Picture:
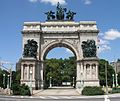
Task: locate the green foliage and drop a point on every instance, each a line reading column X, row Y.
column 110, row 71
column 119, row 78
column 2, row 78
column 60, row 70
column 92, row 91
column 16, row 89
column 20, row 89
column 115, row 90
column 16, row 77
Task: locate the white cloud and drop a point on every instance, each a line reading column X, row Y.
column 103, row 42
column 103, row 45
column 103, row 48
column 33, row 0
column 112, row 34
column 68, row 51
column 87, row 2
column 101, row 34
column 52, row 2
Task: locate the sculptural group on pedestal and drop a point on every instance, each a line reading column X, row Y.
column 30, row 49
column 60, row 14
column 89, row 48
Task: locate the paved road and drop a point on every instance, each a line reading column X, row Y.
column 60, row 98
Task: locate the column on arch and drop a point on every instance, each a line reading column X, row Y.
column 78, row 71
column 90, row 71
column 85, row 72
column 96, row 71
column 22, row 72
column 81, row 71
column 78, row 75
column 28, row 74
column 31, row 70
column 42, row 74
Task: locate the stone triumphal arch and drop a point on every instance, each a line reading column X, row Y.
column 40, row 37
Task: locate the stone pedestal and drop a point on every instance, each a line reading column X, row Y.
column 30, row 72
column 88, row 73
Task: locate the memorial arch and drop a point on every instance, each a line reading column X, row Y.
column 40, row 37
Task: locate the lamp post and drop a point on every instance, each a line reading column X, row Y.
column 4, row 80
column 81, row 80
column 8, row 82
column 73, row 82
column 31, row 82
column 106, row 78
column 113, row 80
column 50, row 82
column 116, row 80
column 10, row 76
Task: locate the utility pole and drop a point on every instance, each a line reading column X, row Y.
column 106, row 78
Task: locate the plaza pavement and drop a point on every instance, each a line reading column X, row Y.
column 56, row 91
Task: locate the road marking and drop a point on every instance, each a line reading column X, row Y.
column 53, row 97
column 42, row 97
column 106, row 98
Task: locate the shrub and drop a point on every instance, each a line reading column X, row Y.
column 20, row 89
column 16, row 89
column 92, row 90
column 115, row 90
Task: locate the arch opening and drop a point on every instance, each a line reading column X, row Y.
column 60, row 71
column 63, row 45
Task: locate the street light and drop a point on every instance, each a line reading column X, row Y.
column 4, row 80
column 73, row 82
column 81, row 80
column 50, row 82
column 113, row 80
column 8, row 82
column 116, row 80
column 106, row 78
column 31, row 82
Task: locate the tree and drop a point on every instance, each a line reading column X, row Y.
column 60, row 70
column 110, row 71
column 16, row 77
column 119, row 78
column 1, row 78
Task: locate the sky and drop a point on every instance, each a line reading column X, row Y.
column 13, row 13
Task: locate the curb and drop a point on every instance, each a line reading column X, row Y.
column 61, row 97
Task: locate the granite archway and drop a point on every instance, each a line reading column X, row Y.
column 51, row 34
